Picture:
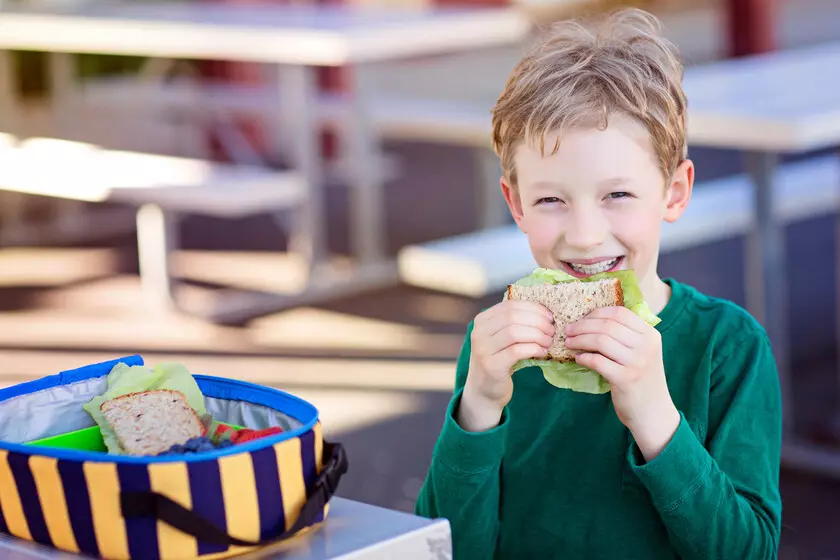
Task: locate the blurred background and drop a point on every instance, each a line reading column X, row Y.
column 301, row 194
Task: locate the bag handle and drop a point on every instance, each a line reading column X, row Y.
column 158, row 506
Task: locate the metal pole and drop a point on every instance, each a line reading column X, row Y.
column 156, row 239
column 308, row 235
column 766, row 273
column 367, row 205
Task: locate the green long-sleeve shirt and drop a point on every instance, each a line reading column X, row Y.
column 561, row 477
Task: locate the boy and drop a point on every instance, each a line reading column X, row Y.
column 681, row 458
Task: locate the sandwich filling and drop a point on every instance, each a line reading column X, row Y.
column 570, row 296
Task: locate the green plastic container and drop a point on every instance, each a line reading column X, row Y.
column 88, row 439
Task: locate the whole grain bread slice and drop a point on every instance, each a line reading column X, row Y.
column 150, row 422
column 569, row 302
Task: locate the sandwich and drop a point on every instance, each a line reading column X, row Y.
column 569, row 302
column 570, row 299
column 151, row 422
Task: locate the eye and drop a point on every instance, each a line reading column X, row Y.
column 620, row 194
column 547, row 200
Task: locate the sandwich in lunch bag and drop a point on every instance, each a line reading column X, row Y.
column 119, row 460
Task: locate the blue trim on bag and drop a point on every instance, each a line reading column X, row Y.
column 66, row 377
column 214, row 387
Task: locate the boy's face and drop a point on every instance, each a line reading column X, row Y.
column 598, row 203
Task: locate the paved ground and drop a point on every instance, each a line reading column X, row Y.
column 379, row 366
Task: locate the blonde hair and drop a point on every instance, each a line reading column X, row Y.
column 578, row 76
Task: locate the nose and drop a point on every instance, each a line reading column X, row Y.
column 587, row 228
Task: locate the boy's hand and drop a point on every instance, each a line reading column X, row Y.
column 510, row 331
column 627, row 352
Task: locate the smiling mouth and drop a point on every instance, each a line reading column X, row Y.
column 584, row 270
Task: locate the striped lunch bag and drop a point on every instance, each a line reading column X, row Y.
column 78, row 498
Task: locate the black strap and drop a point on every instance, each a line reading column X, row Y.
column 158, row 506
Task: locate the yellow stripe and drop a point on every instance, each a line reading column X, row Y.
column 173, row 481
column 10, row 501
column 242, row 510
column 291, row 479
column 104, row 491
column 319, row 447
column 53, row 502
column 319, row 457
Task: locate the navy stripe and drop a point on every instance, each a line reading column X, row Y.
column 207, row 499
column 3, row 527
column 307, row 459
column 141, row 531
column 269, row 493
column 78, row 505
column 29, row 498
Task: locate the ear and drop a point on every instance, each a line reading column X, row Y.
column 514, row 201
column 679, row 191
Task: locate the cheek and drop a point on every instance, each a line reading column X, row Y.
column 543, row 230
column 637, row 230
column 541, row 224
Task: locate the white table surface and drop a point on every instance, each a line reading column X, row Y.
column 353, row 530
column 310, row 35
column 785, row 101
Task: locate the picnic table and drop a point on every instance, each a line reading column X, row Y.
column 352, row 530
column 296, row 40
column 765, row 106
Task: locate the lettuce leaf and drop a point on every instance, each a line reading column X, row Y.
column 571, row 375
column 124, row 379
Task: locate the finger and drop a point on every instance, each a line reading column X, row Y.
column 518, row 334
column 622, row 315
column 601, row 344
column 517, row 304
column 512, row 354
column 609, row 327
column 609, row 370
column 533, row 315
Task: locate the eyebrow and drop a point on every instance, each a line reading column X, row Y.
column 613, row 182
column 609, row 182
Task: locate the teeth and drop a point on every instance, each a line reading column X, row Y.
column 596, row 268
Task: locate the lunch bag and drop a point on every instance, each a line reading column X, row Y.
column 56, row 489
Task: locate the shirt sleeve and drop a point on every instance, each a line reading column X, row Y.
column 722, row 500
column 463, row 483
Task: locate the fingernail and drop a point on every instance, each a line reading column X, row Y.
column 568, row 329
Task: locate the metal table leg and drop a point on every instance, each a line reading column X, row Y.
column 62, row 71
column 156, row 239
column 367, row 205
column 768, row 301
column 309, row 224
column 12, row 204
column 766, row 272
column 491, row 206
column 8, row 113
column 308, row 230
